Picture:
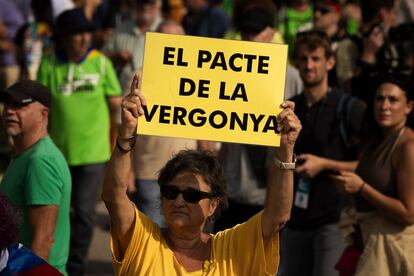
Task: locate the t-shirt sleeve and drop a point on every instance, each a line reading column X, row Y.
column 44, row 184
column 144, row 241
column 243, row 248
column 111, row 83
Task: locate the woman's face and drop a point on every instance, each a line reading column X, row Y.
column 391, row 106
column 180, row 213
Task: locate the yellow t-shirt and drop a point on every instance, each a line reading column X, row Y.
column 235, row 251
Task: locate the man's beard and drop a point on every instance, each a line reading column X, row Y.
column 312, row 83
column 13, row 132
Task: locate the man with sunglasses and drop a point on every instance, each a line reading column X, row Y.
column 326, row 18
column 193, row 189
column 38, row 179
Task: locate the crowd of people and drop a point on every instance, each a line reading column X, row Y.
column 336, row 198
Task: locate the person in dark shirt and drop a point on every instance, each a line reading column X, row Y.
column 203, row 19
column 311, row 242
column 363, row 55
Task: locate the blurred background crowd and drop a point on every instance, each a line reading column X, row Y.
column 348, row 60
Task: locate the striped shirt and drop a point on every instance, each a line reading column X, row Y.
column 129, row 37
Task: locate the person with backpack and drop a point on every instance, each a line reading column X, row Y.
column 312, row 243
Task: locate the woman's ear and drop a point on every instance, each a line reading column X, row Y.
column 410, row 105
column 214, row 203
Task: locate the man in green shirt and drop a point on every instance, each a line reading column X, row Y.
column 294, row 18
column 37, row 180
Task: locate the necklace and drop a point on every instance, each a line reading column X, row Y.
column 197, row 254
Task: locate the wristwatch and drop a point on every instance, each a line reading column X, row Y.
column 286, row 165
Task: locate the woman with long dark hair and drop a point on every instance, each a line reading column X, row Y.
column 383, row 185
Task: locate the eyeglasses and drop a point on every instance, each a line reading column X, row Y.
column 190, row 195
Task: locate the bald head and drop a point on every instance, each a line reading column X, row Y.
column 170, row 27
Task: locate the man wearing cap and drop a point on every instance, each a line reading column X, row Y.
column 85, row 95
column 326, row 19
column 38, row 179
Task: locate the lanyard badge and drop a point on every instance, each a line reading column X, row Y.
column 302, row 193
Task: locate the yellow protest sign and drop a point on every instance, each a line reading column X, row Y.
column 212, row 89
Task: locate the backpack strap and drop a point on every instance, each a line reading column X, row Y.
column 344, row 113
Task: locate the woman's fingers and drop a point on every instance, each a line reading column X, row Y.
column 288, row 109
column 287, row 121
column 135, row 84
column 288, row 105
column 131, row 107
column 337, row 178
column 141, row 98
column 135, row 88
column 136, row 97
column 340, row 183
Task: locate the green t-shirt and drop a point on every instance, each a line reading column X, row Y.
column 80, row 120
column 293, row 22
column 40, row 176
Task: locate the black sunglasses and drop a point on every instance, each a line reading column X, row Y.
column 322, row 9
column 190, row 195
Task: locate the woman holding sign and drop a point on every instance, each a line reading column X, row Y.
column 193, row 189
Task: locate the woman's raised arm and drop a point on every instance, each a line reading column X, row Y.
column 114, row 191
column 279, row 196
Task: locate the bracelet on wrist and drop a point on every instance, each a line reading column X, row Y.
column 131, row 141
column 361, row 188
column 285, row 165
column 126, row 138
